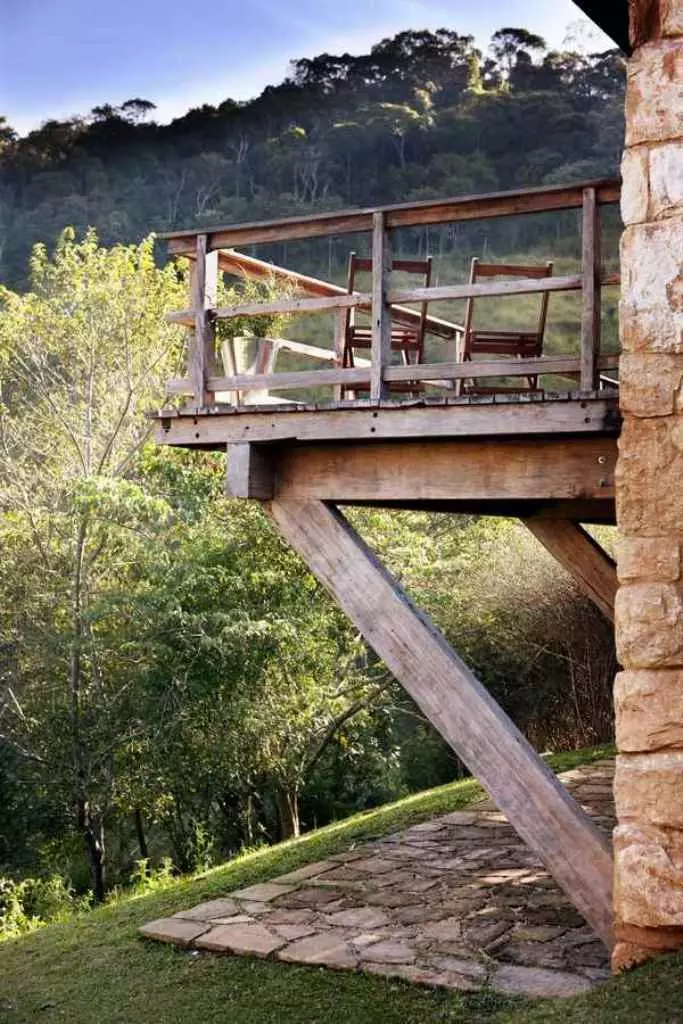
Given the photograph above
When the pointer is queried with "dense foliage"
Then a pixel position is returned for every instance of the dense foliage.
(173, 682)
(422, 114)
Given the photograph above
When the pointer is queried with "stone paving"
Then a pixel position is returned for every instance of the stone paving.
(457, 902)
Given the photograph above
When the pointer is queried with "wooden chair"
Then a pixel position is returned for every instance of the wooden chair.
(521, 344)
(409, 341)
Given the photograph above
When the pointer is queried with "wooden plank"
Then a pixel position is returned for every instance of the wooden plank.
(581, 556)
(380, 347)
(460, 208)
(590, 318)
(249, 471)
(557, 365)
(519, 286)
(201, 348)
(319, 305)
(444, 470)
(292, 423)
(546, 817)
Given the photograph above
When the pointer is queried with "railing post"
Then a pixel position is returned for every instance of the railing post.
(203, 282)
(381, 312)
(591, 272)
(340, 321)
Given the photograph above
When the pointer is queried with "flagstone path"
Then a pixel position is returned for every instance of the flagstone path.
(457, 902)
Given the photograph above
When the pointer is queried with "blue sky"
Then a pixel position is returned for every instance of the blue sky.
(62, 57)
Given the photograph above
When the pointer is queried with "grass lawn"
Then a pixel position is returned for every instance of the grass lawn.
(95, 970)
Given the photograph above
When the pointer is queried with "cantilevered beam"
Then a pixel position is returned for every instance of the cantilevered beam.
(582, 557)
(448, 470)
(536, 804)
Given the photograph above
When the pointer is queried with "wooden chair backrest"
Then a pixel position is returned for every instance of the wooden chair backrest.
(363, 265)
(480, 270)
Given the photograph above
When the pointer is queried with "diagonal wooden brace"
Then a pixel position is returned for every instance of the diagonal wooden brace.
(582, 557)
(523, 787)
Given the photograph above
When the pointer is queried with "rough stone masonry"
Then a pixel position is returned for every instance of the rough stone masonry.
(648, 839)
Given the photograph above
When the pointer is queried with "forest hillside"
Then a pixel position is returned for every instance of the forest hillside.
(423, 114)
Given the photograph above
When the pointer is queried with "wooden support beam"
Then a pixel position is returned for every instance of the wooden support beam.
(448, 470)
(380, 347)
(536, 804)
(582, 557)
(249, 471)
(591, 273)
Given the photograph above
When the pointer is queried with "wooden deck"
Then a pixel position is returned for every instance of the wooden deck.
(547, 457)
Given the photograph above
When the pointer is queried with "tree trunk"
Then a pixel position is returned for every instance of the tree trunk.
(288, 812)
(93, 837)
(140, 833)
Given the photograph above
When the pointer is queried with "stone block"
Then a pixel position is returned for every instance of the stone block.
(174, 930)
(358, 917)
(648, 559)
(671, 17)
(648, 620)
(666, 179)
(264, 892)
(651, 307)
(209, 910)
(654, 90)
(512, 979)
(649, 710)
(328, 948)
(389, 951)
(650, 383)
(648, 477)
(648, 788)
(243, 939)
(648, 876)
(308, 871)
(635, 185)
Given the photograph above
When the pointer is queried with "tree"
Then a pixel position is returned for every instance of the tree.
(510, 45)
(86, 351)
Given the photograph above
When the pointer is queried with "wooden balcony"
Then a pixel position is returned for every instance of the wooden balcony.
(516, 449)
(237, 408)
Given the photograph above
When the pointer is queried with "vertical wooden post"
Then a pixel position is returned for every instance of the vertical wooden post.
(339, 339)
(381, 313)
(204, 282)
(456, 703)
(591, 268)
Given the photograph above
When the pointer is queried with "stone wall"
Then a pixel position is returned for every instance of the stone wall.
(648, 895)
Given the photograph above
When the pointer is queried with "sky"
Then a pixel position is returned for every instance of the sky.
(62, 57)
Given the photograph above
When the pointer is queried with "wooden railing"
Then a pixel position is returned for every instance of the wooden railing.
(207, 250)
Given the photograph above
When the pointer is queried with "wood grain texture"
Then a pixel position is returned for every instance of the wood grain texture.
(521, 784)
(201, 348)
(380, 345)
(582, 557)
(559, 365)
(249, 471)
(443, 470)
(590, 317)
(476, 419)
(445, 211)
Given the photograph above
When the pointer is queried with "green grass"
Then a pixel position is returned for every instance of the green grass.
(95, 970)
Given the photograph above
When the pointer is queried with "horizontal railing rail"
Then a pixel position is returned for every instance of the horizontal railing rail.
(385, 303)
(546, 199)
